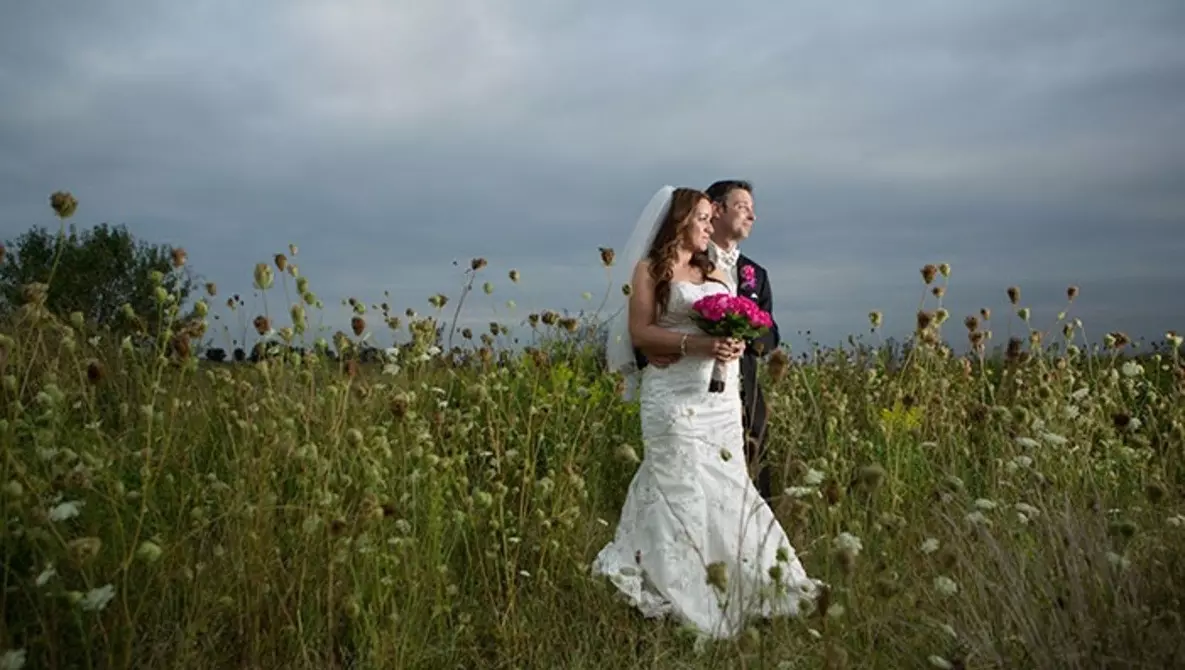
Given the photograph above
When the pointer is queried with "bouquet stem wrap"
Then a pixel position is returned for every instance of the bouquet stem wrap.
(727, 315)
(717, 383)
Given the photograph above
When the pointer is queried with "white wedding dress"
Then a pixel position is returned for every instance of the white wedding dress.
(692, 505)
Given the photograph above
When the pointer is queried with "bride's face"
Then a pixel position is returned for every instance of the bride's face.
(699, 228)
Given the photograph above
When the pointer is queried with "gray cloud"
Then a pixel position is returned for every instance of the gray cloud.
(1037, 145)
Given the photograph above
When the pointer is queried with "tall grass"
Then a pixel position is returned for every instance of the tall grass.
(312, 511)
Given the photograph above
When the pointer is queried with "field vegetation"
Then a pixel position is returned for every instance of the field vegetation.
(329, 505)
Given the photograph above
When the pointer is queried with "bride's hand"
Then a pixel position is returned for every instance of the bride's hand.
(726, 349)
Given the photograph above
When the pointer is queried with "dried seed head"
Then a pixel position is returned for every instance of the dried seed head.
(264, 277)
(179, 345)
(35, 294)
(779, 364)
(875, 319)
(466, 334)
(399, 405)
(832, 492)
(626, 290)
(63, 204)
(1071, 293)
(871, 477)
(846, 559)
(179, 257)
(1121, 420)
(262, 325)
(985, 314)
(1155, 492)
(477, 264)
(211, 289)
(358, 325)
(924, 319)
(550, 318)
(1014, 294)
(94, 372)
(938, 291)
(281, 262)
(607, 256)
(972, 323)
(570, 325)
(514, 276)
(1012, 353)
(944, 269)
(929, 272)
(717, 575)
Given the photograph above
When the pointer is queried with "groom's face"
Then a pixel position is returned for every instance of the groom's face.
(734, 217)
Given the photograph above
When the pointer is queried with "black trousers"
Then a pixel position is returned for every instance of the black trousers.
(755, 423)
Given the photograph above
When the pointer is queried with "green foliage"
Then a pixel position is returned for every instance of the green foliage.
(422, 512)
(95, 272)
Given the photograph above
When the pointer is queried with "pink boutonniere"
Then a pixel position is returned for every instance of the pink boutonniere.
(748, 277)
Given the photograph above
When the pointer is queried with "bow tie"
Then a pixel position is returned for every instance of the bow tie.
(727, 258)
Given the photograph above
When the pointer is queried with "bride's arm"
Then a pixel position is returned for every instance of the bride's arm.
(650, 338)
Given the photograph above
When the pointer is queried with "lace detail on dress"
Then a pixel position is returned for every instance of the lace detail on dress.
(692, 504)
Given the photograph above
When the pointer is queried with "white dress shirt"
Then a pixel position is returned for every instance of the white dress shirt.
(726, 262)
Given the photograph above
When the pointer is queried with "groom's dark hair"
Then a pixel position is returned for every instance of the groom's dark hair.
(719, 191)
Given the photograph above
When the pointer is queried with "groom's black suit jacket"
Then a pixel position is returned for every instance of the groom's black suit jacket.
(751, 394)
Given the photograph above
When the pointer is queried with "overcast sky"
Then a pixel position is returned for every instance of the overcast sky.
(1035, 143)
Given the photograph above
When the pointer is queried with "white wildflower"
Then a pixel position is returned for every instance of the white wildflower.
(12, 659)
(1176, 521)
(945, 586)
(847, 542)
(940, 662)
(1117, 560)
(1027, 509)
(1070, 412)
(1054, 439)
(929, 545)
(1027, 443)
(1132, 369)
(96, 600)
(813, 477)
(47, 574)
(1080, 393)
(978, 519)
(1019, 463)
(985, 505)
(801, 491)
(66, 510)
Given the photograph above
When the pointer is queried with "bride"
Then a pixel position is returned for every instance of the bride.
(695, 539)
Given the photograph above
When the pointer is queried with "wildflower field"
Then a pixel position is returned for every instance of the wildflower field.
(320, 508)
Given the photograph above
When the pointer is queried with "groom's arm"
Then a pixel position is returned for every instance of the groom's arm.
(765, 300)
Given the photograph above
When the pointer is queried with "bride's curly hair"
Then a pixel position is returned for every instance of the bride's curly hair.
(666, 243)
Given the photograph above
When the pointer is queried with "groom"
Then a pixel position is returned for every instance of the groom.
(732, 220)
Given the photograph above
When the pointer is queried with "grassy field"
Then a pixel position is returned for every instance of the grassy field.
(303, 512)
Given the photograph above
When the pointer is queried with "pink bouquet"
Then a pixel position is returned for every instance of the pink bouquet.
(727, 315)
